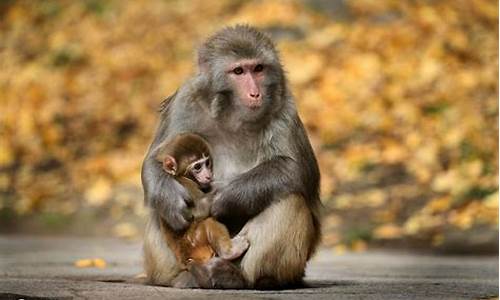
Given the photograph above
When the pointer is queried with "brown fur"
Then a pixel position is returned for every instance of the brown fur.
(185, 148)
(204, 238)
(285, 239)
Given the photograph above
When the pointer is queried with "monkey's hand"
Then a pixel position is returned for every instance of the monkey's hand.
(218, 206)
(174, 204)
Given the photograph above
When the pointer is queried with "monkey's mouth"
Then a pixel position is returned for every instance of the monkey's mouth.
(253, 105)
(206, 189)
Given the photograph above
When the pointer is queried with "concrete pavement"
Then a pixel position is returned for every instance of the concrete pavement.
(44, 268)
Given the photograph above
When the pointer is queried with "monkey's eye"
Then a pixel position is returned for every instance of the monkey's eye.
(258, 68)
(238, 70)
(197, 167)
(208, 163)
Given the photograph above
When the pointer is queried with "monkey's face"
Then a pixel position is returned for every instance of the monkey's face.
(253, 86)
(246, 76)
(201, 172)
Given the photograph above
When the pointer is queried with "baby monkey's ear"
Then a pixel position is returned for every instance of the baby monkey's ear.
(170, 165)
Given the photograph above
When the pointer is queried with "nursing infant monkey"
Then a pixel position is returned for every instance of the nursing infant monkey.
(187, 158)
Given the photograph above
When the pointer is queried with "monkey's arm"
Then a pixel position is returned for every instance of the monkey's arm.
(167, 196)
(251, 192)
(162, 192)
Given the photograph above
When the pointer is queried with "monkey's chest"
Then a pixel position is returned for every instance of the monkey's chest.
(230, 162)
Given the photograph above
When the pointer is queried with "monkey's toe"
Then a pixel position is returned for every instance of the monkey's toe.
(239, 246)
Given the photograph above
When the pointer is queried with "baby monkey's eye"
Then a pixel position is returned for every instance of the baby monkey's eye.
(258, 68)
(197, 167)
(238, 70)
(208, 163)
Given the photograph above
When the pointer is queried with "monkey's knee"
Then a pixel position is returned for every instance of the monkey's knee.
(281, 239)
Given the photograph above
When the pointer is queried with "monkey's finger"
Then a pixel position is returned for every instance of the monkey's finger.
(178, 223)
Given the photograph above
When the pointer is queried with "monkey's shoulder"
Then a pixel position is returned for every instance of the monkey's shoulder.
(186, 93)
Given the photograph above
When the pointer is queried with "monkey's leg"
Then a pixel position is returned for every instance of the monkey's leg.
(281, 238)
(221, 242)
(160, 263)
(217, 273)
(185, 280)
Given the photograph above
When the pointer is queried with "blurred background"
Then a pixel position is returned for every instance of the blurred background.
(400, 100)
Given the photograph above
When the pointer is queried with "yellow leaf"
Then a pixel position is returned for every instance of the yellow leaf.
(473, 169)
(90, 262)
(491, 201)
(429, 70)
(422, 222)
(83, 263)
(374, 197)
(99, 263)
(387, 231)
(300, 72)
(99, 192)
(6, 154)
(464, 218)
(323, 38)
(126, 230)
(394, 153)
(359, 246)
(445, 181)
(438, 205)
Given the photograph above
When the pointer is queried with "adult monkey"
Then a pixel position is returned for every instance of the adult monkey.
(266, 173)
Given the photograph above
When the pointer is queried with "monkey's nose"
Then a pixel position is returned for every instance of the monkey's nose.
(256, 96)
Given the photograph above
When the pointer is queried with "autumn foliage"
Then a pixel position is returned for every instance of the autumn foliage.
(400, 99)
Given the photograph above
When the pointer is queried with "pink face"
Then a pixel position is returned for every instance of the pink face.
(247, 76)
(201, 171)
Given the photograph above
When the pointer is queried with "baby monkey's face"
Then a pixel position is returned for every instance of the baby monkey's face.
(201, 171)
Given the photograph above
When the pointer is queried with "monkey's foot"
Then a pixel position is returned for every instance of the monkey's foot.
(184, 280)
(239, 246)
(217, 273)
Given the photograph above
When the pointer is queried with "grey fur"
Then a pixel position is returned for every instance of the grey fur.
(259, 157)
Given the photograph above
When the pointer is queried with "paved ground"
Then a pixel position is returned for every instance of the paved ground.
(42, 268)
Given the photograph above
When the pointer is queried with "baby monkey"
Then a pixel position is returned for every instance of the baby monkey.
(187, 158)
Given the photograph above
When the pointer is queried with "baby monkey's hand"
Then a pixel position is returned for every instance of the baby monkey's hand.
(203, 206)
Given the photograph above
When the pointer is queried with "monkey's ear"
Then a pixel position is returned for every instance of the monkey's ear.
(170, 165)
